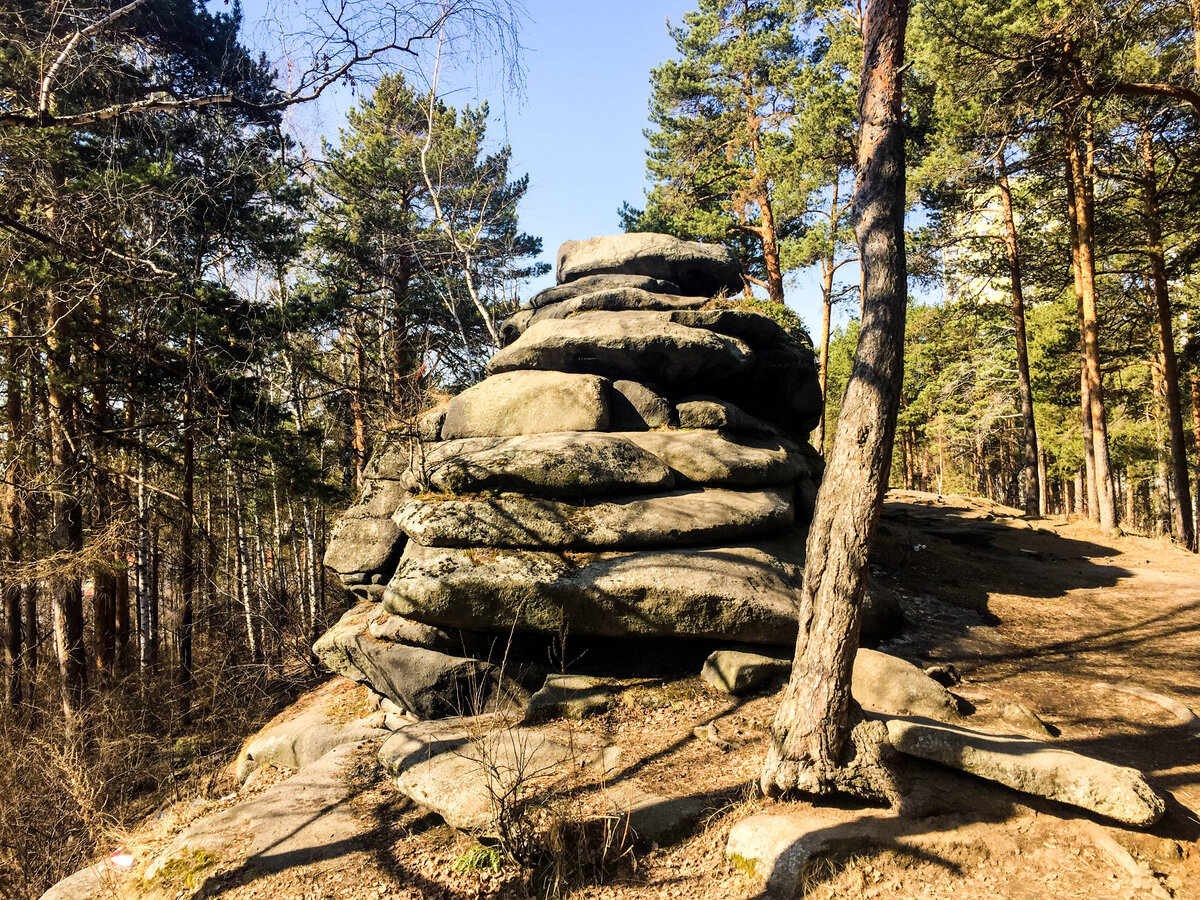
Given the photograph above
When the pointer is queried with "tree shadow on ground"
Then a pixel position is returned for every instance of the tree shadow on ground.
(921, 549)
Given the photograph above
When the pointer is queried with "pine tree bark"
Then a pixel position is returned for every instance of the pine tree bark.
(145, 562)
(187, 540)
(124, 629)
(1087, 503)
(1030, 477)
(246, 594)
(1081, 187)
(770, 245)
(12, 503)
(155, 597)
(104, 583)
(66, 534)
(810, 735)
(357, 407)
(1195, 385)
(1182, 526)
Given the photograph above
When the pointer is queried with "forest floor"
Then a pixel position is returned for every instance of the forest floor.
(1099, 636)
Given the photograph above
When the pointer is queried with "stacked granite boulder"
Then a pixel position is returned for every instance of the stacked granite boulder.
(634, 466)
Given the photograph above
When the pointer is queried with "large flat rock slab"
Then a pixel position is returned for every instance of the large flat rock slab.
(740, 593)
(711, 458)
(697, 268)
(301, 820)
(463, 769)
(705, 516)
(614, 300)
(592, 283)
(1034, 767)
(526, 403)
(563, 464)
(628, 345)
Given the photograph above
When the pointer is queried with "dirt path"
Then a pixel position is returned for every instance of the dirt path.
(1081, 628)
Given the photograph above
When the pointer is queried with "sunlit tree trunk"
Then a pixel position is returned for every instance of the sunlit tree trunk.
(813, 724)
(828, 268)
(1085, 497)
(357, 408)
(12, 527)
(66, 533)
(1082, 213)
(1182, 518)
(187, 533)
(1030, 477)
(104, 584)
(144, 563)
(1195, 385)
(245, 590)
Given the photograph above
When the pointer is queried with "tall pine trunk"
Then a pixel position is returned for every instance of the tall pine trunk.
(12, 527)
(1085, 497)
(144, 558)
(1182, 527)
(1082, 213)
(104, 582)
(1195, 385)
(245, 591)
(813, 723)
(187, 532)
(1030, 477)
(828, 267)
(66, 534)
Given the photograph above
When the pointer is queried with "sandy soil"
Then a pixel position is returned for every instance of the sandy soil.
(1100, 637)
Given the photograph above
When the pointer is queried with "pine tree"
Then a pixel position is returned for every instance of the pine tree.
(719, 144)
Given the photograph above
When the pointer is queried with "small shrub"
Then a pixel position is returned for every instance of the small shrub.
(776, 312)
(479, 858)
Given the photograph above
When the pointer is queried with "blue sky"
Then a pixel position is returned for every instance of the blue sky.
(577, 129)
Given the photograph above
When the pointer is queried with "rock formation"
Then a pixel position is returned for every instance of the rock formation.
(635, 465)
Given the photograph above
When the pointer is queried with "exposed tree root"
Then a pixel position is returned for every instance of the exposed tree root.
(867, 770)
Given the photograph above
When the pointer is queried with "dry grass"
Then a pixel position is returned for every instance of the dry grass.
(67, 795)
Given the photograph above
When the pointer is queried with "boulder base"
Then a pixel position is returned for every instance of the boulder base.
(425, 682)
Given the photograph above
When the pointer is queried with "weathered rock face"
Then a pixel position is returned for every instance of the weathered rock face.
(627, 345)
(697, 268)
(635, 466)
(527, 403)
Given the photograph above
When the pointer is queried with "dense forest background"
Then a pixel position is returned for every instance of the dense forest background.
(203, 328)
